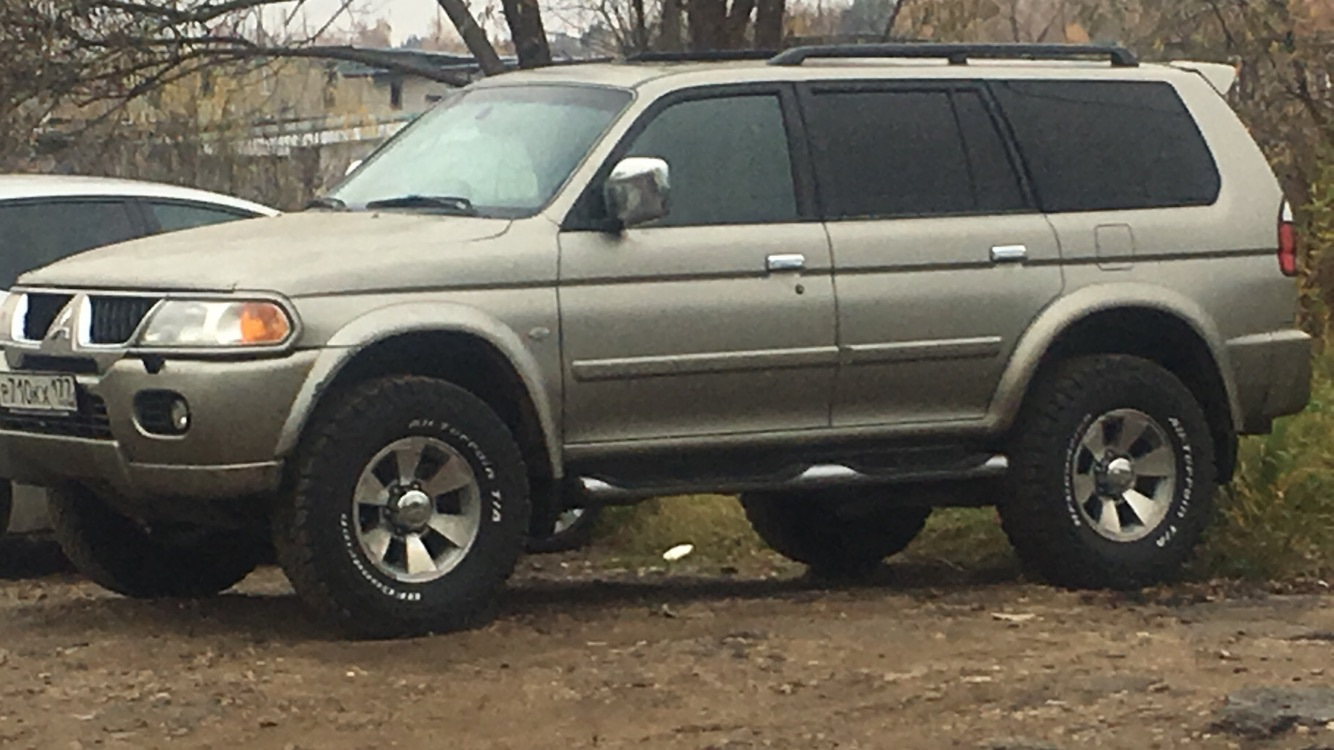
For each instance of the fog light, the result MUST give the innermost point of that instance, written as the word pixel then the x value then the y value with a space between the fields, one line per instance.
pixel 164 413
pixel 180 415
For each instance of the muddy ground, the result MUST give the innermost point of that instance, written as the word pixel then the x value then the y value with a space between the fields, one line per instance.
pixel 926 656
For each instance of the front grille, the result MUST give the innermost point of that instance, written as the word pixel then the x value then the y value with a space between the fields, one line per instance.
pixel 42 312
pixel 115 319
pixel 90 422
pixel 70 365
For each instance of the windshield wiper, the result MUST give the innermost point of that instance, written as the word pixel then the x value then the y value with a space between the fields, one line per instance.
pixel 446 202
pixel 325 201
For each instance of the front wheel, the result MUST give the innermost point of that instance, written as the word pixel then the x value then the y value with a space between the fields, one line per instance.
pixel 409 510
pixel 6 505
pixel 147 561
pixel 1112 474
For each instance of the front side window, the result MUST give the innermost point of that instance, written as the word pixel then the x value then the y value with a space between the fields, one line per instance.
pixel 504 150
pixel 33 235
pixel 728 158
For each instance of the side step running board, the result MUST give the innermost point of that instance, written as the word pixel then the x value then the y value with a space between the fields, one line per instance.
pixel 819 475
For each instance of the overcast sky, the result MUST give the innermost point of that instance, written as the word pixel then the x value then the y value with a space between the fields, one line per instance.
pixel 406 17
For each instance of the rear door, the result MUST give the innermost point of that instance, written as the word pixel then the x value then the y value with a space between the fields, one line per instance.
pixel 941 259
pixel 38 232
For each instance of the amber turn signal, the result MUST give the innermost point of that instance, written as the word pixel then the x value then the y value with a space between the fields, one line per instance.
pixel 263 323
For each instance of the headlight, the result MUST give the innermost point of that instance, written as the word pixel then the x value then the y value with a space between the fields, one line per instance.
pixel 199 324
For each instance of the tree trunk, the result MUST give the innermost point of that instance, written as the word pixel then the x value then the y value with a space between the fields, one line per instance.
pixel 769 24
pixel 473 36
pixel 530 38
pixel 707 20
pixel 669 38
pixel 738 20
pixel 640 21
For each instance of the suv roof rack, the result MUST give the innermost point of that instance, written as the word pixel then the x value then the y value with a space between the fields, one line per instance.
pixel 958 54
pixel 718 55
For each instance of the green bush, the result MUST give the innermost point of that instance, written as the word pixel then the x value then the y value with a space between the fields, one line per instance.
pixel 1276 519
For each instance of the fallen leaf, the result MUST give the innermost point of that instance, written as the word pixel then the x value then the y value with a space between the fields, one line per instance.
pixel 678 552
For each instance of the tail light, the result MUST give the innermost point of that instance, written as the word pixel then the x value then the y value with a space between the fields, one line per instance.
pixel 1287 241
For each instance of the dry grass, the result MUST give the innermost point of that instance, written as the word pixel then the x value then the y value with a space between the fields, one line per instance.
pixel 716 526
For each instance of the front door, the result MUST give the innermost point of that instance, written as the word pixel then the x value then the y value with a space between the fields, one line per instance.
pixel 718 318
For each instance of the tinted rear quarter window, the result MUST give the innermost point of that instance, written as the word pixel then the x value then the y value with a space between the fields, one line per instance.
pixel 33 235
pixel 1109 145
pixel 901 153
pixel 172 217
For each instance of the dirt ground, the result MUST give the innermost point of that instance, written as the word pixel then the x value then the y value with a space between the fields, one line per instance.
pixel 583 656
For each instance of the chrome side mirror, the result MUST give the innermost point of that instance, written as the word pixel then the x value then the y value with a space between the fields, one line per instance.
pixel 638 191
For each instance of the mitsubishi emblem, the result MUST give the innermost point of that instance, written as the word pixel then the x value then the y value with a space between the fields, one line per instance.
pixel 62 330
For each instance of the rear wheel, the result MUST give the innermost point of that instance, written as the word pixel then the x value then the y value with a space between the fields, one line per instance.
pixel 144 561
pixel 836 533
pixel 1112 474
pixel 409 511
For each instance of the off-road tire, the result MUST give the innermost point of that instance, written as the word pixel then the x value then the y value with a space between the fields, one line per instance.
pixel 313 528
pixel 1038 510
pixel 815 529
pixel 145 562
pixel 6 505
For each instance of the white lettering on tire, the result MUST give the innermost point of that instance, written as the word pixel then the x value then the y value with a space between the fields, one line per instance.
pixel 351 545
pixel 1188 483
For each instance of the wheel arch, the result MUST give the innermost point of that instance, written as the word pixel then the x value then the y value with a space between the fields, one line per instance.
pixel 456 343
pixel 1111 320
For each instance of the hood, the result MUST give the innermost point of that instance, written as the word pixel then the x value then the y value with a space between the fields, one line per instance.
pixel 300 253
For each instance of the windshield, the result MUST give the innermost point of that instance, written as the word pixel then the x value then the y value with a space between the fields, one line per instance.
pixel 504 150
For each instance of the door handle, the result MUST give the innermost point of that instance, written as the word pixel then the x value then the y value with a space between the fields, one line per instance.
pixel 785 262
pixel 1009 254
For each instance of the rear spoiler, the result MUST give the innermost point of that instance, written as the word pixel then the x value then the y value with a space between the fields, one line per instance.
pixel 1222 77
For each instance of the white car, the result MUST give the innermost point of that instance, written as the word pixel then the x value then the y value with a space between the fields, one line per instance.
pixel 44 218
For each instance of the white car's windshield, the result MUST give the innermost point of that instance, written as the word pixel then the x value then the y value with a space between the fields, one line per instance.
pixel 500 151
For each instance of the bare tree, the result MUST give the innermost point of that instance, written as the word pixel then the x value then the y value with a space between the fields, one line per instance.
pixel 473 36
pixel 524 18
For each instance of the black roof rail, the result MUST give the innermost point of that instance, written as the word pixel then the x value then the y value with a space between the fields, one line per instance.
pixel 958 54
pixel 719 55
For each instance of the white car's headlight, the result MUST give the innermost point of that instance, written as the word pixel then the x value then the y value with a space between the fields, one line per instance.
pixel 179 323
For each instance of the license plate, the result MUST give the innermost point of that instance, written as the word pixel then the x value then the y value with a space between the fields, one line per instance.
pixel 38 393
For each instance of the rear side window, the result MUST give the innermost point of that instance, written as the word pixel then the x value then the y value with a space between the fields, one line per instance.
pixel 888 153
pixel 172 217
pixel 33 235
pixel 1109 145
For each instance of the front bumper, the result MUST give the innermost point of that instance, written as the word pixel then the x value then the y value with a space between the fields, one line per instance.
pixel 238 409
pixel 1272 373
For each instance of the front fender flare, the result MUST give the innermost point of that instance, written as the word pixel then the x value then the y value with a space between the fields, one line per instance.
pixel 420 317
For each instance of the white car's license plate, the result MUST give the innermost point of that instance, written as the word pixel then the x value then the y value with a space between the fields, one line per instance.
pixel 28 392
